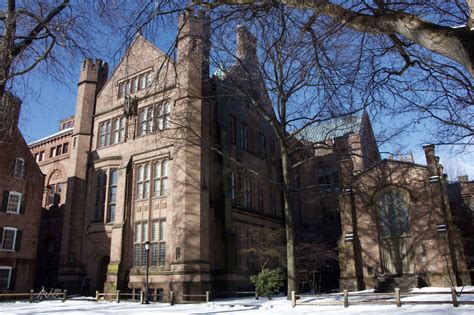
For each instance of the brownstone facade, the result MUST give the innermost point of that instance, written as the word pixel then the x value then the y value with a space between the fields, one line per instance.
pixel 161 152
pixel 21 186
pixel 140 166
pixel 461 203
pixel 397 228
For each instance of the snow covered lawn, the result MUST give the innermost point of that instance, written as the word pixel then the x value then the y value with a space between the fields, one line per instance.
pixel 243 306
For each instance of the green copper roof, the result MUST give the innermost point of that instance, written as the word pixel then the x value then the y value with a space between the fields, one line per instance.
pixel 331 129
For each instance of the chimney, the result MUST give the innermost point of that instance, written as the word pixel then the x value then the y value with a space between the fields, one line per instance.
pixel 246 44
pixel 463 179
pixel 10 107
pixel 431 161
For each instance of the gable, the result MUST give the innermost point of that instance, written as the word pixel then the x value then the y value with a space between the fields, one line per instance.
pixel 142 56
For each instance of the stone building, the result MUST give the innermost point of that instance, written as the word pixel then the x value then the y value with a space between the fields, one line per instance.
pixel 461 203
pixel 397 228
pixel 141 165
pixel 317 209
pixel 21 188
pixel 162 152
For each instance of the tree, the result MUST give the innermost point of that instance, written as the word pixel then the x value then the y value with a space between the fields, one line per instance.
pixel 281 77
pixel 35 33
pixel 413 59
pixel 400 18
pixel 313 257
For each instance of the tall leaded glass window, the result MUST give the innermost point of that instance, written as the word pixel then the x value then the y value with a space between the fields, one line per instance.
pixel 118 130
pixel 158 243
pixel 100 194
pixel 112 195
pixel 160 178
pixel 143 181
pixel 393 214
pixel 162 116
pixel 146 121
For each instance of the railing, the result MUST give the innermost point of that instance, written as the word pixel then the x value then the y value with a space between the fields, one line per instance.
pixel 31 296
pixel 224 294
pixel 381 299
pixel 206 296
pixel 186 298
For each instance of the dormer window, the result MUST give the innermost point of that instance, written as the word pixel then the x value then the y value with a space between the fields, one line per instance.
pixel 134 84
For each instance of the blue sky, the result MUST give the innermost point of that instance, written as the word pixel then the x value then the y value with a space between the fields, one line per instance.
pixel 47 101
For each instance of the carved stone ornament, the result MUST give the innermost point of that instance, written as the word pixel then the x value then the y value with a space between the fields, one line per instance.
pixel 130 106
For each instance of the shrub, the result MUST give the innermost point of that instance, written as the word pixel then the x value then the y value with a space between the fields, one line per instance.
pixel 268 282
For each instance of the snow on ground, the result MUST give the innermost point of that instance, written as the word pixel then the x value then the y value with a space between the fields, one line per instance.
pixel 278 305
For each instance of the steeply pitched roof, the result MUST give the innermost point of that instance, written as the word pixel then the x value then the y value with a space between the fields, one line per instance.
pixel 331 129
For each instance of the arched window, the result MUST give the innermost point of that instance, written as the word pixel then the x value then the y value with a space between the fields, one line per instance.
pixel 392 206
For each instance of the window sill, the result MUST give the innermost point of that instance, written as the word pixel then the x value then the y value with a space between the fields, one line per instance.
pixel 10 212
pixel 110 145
pixel 159 197
pixel 7 250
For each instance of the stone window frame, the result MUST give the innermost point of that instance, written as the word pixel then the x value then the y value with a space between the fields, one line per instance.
pixel 161 178
pixel 158 242
pixel 162 115
pixel 112 199
pixel 125 87
pixel 65 147
pixel 16 205
pixel 104 203
pixel 142 181
pixel 14 245
pixel 145 120
pixel 141 235
pixel 52 193
pixel 153 118
pixel 20 166
pixel 39 157
pixel 111 132
pixel 328 178
pixel 9 277
pixel 405 194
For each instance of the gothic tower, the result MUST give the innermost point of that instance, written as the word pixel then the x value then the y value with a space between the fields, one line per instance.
pixel 92 78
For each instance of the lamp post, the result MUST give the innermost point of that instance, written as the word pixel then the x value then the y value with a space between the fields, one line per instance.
pixel 146 246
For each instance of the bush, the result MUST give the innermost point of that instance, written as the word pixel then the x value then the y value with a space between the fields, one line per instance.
pixel 268 282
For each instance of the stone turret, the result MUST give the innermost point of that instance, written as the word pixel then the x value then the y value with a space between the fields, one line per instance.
pixel 191 236
pixel 91 79
pixel 193 52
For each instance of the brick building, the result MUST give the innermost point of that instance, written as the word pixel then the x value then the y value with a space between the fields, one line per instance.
pixel 21 188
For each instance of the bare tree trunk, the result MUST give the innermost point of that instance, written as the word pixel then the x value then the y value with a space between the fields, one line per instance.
pixel 289 225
